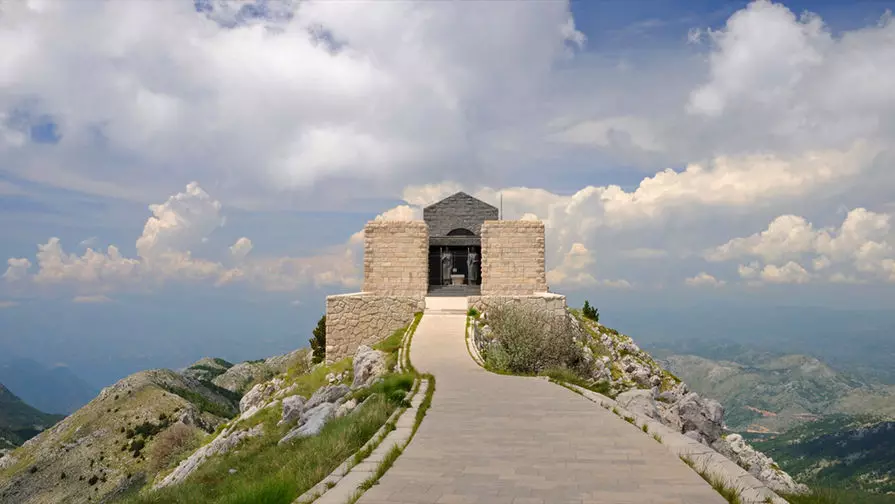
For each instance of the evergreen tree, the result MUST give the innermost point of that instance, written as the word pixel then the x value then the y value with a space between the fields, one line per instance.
pixel 318 342
pixel 590 312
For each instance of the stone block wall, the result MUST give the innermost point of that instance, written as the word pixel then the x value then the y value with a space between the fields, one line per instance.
pixel 396 258
pixel 544 302
pixel 359 319
pixel 513 258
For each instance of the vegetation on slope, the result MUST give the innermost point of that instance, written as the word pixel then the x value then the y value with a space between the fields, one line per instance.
pixel 261 470
pixel 839 451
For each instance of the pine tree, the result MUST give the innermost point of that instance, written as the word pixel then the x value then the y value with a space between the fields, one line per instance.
pixel 318 342
pixel 590 312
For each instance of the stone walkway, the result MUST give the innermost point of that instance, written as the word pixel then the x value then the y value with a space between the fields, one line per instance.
pixel 498 439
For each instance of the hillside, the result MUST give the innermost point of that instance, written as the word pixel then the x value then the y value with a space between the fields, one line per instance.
pixel 839 451
pixel 19 421
pixel 772 393
pixel 100 447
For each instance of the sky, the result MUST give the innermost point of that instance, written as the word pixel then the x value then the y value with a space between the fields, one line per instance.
pixel 190 178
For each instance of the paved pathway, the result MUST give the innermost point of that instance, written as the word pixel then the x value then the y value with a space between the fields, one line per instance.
pixel 503 439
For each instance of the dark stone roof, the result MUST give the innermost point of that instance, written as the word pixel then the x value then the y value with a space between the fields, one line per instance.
pixel 458 211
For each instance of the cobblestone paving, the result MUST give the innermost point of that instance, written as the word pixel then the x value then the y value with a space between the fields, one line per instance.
pixel 503 439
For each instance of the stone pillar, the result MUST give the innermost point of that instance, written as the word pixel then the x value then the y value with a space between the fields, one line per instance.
pixel 513 258
pixel 396 258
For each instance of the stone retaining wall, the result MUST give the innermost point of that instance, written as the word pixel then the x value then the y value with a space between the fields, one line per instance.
pixel 542 302
pixel 365 318
pixel 513 257
pixel 396 258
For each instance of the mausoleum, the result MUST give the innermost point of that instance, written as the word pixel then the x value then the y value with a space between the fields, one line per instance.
pixel 460 248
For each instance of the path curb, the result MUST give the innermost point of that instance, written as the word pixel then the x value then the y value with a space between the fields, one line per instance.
pixel 750 488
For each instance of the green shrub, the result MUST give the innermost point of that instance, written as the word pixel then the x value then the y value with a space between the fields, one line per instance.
pixel 472 313
pixel 528 342
pixel 318 342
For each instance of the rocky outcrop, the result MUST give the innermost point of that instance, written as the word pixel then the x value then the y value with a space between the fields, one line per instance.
pixel 326 394
pixel 222 444
pixel 311 422
pixel 369 364
pixel 758 464
pixel 642 386
pixel 640 402
pixel 292 408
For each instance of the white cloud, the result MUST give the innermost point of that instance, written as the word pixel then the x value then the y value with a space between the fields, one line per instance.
pixel 17 269
pixel 704 279
pixel 363 92
pixel 861 247
pixel 94 299
pixel 164 255
pixel 241 248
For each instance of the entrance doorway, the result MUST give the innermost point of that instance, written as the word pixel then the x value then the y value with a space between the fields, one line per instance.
pixel 455 266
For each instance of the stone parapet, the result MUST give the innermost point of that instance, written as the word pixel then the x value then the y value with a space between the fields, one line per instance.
pixel 365 318
pixel 396 258
pixel 513 258
pixel 546 303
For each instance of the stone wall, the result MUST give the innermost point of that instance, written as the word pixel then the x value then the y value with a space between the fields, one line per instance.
pixel 543 302
pixel 396 258
pixel 458 211
pixel 359 319
pixel 513 258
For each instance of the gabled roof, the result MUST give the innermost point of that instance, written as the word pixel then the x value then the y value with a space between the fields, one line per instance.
pixel 461 196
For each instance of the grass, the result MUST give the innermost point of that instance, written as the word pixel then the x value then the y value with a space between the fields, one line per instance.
pixel 424 405
pixel 268 473
pixel 390 346
pixel 566 375
pixel 732 495
pixel 657 437
pixel 309 382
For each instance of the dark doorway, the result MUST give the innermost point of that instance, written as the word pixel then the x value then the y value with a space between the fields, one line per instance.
pixel 447 260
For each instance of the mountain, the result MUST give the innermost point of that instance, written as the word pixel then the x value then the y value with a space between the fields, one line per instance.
pixel 840 451
pixel 20 422
pixel 99 448
pixel 132 431
pixel 774 393
pixel 51 389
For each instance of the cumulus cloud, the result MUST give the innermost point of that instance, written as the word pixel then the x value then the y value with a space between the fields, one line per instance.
pixel 704 279
pixel 184 220
pixel 860 247
pixel 272 93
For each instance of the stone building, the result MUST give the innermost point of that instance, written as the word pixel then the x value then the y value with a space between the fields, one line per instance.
pixel 460 248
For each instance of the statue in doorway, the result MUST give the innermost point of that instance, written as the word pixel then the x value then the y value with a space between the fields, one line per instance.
pixel 446 265
pixel 473 272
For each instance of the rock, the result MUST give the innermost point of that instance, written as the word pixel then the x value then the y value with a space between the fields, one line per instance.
pixel 220 445
pixel 369 364
pixel 7 461
pixel 654 392
pixel 758 464
pixel 346 407
pixel 638 401
pixel 312 422
pixel 257 396
pixel 641 376
pixel 702 415
pixel 655 380
pixel 326 394
pixel 292 407
pixel 695 435
pixel 232 471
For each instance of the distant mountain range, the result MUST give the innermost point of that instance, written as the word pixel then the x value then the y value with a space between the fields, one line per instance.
pixel 766 393
pixel 20 422
pixel 50 389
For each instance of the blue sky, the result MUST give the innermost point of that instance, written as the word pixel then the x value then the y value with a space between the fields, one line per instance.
pixel 682 154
